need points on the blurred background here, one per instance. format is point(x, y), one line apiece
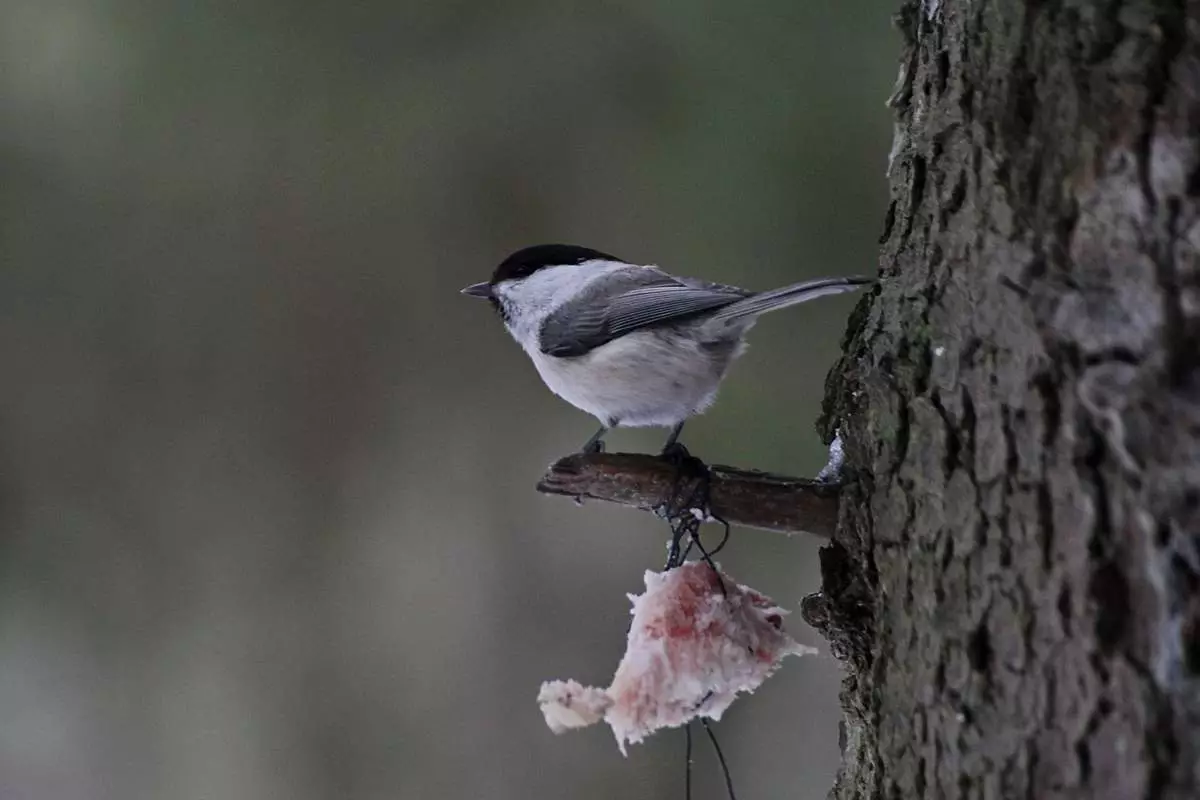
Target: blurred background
point(267, 518)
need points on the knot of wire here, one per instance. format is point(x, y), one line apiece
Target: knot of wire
point(685, 509)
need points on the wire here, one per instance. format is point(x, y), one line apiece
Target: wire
point(712, 737)
point(687, 763)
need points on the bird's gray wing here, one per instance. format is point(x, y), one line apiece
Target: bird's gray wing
point(617, 307)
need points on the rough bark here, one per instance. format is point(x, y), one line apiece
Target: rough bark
point(1015, 579)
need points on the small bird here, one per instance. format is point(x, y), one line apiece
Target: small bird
point(630, 344)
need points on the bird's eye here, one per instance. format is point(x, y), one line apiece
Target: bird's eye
point(521, 271)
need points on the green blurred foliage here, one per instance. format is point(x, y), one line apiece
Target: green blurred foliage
point(267, 524)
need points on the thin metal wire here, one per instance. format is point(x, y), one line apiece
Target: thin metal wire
point(686, 551)
point(712, 737)
point(724, 538)
point(677, 513)
point(674, 556)
point(687, 763)
point(707, 559)
point(684, 523)
point(715, 550)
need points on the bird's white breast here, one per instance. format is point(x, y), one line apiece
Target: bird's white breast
point(642, 378)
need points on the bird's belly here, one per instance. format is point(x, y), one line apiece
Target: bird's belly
point(644, 378)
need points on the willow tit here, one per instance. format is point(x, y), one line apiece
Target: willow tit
point(630, 344)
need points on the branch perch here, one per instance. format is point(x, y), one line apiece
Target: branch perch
point(741, 497)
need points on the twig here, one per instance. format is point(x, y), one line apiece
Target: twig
point(743, 497)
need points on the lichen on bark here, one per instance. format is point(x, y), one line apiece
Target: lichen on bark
point(1015, 582)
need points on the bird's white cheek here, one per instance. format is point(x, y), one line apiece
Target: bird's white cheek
point(521, 318)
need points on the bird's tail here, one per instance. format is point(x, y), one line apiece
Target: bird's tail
point(792, 295)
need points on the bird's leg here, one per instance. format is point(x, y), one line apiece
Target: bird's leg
point(681, 511)
point(686, 467)
point(673, 450)
point(596, 443)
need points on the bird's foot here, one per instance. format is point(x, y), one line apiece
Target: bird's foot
point(688, 493)
point(596, 443)
point(678, 456)
point(688, 470)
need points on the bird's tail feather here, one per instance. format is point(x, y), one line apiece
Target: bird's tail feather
point(792, 295)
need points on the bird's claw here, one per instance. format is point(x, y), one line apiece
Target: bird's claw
point(688, 471)
point(677, 455)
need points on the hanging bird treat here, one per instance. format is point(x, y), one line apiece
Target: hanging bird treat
point(693, 646)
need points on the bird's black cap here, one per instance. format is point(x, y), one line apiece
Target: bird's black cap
point(529, 260)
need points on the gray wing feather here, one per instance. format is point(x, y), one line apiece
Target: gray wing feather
point(615, 308)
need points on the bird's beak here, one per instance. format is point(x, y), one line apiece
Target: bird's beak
point(483, 290)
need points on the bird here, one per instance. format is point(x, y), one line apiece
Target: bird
point(629, 343)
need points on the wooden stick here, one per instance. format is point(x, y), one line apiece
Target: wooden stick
point(741, 497)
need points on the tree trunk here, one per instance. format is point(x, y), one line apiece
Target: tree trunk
point(1015, 579)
